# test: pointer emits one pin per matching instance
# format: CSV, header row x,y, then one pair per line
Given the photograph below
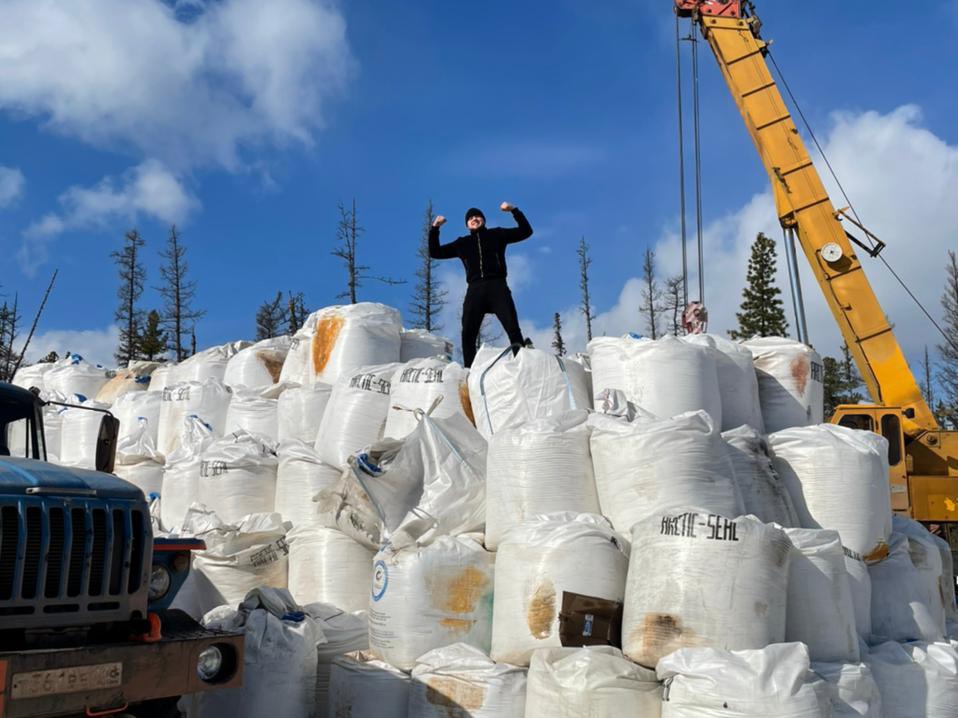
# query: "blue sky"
x,y
247,122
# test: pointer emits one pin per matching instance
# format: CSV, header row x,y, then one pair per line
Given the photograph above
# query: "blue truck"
x,y
85,587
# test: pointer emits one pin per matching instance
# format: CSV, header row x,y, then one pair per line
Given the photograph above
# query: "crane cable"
x,y
681,122
698,159
848,202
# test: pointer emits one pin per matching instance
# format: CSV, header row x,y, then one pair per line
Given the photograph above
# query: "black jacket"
x,y
483,252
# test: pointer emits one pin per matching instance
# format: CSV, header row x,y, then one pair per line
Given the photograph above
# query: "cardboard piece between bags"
x,y
589,621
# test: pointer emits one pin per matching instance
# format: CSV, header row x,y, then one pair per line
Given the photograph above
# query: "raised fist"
x,y
506,207
439,221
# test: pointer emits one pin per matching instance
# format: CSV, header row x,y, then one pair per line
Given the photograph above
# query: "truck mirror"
x,y
106,443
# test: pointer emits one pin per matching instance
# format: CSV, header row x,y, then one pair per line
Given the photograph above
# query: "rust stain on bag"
x,y
800,370
541,613
271,363
456,696
466,403
463,591
658,635
457,625
327,332
879,553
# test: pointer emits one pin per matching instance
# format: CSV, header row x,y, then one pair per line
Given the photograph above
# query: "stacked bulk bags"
x,y
207,364
74,376
238,476
79,431
860,583
428,597
462,680
539,467
362,686
507,390
771,682
339,339
300,411
665,376
906,595
827,469
594,681
419,384
135,378
181,473
136,409
718,582
53,428
851,689
208,399
356,414
342,633
916,679
300,476
257,366
138,462
421,344
539,565
738,385
649,464
790,382
34,375
250,411
926,563
160,378
763,493
821,613
327,566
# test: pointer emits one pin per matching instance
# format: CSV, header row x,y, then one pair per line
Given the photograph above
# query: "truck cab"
x,y
85,587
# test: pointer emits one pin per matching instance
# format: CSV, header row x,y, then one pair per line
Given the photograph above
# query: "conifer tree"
x,y
178,293
128,314
153,340
927,381
297,312
762,312
9,331
271,318
948,349
429,297
558,344
651,307
585,306
842,383
672,305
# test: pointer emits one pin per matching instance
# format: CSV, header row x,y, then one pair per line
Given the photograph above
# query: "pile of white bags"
x,y
462,680
421,344
258,366
916,679
928,566
650,464
790,382
209,400
138,462
342,632
507,390
207,364
300,411
238,476
420,383
771,682
540,467
72,375
540,561
665,376
828,469
860,584
738,385
34,375
53,427
429,597
763,493
327,566
250,411
160,378
136,408
356,414
181,473
699,579
821,613
594,681
361,686
338,340
851,688
135,378
301,475
79,430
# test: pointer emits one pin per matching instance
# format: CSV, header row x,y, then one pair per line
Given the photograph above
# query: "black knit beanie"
x,y
474,212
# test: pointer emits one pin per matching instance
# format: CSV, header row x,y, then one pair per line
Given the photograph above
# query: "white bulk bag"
x,y
53,427
340,339
343,633
361,686
763,493
347,506
209,400
34,375
327,566
738,385
536,564
207,364
181,473
538,468
300,411
138,462
356,414
860,583
279,675
160,378
135,378
428,597
699,579
821,613
462,680
851,688
665,376
649,464
420,383
72,375
301,475
790,388
771,682
594,681
916,679
928,565
79,431
906,598
238,476
135,408
257,366
250,411
507,390
838,479
422,344
237,559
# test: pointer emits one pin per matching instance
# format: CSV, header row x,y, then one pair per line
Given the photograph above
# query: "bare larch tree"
x,y
429,297
128,314
178,293
586,306
651,307
348,231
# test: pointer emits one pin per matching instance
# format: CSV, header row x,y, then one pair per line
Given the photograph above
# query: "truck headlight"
x,y
209,663
159,582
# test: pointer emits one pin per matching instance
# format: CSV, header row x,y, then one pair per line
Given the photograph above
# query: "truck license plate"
x,y
67,680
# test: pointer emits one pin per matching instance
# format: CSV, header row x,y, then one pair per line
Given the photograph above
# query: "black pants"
x,y
487,296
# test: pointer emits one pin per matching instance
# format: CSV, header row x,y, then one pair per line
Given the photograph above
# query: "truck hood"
x,y
18,475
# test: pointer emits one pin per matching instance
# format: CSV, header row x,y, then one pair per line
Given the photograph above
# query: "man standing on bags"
x,y
483,254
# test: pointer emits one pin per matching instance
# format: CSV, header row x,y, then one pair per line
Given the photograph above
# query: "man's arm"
x,y
520,232
436,250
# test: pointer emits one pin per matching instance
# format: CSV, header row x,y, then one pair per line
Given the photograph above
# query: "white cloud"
x,y
94,345
11,185
149,189
135,75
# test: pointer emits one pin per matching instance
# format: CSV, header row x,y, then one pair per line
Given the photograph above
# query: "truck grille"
x,y
60,557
